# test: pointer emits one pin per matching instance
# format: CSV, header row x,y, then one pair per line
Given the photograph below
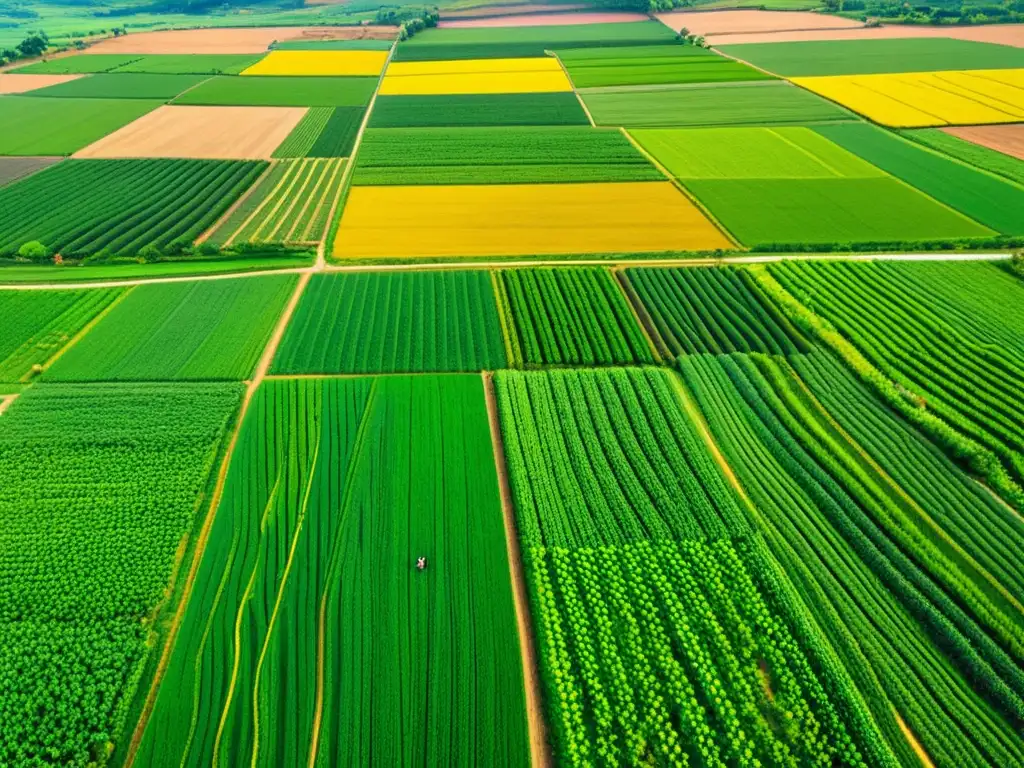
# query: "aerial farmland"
x,y
514,385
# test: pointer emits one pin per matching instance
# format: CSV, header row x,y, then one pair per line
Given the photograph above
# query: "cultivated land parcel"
x,y
540,442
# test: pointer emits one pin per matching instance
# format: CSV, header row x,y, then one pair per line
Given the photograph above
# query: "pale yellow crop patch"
x,y
530,75
320,63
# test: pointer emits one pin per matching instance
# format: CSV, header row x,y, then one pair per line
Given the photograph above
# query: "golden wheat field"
x,y
922,99
529,75
522,219
320,63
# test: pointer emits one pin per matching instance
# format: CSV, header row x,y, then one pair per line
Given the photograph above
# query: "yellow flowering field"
x,y
522,220
921,99
319,63
531,75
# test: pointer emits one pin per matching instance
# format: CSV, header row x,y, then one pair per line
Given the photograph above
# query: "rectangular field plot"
x,y
189,64
225,133
320,63
710,311
638,554
652,65
60,127
291,205
11,84
994,201
379,322
498,156
809,212
282,92
930,98
998,149
475,76
14,168
206,330
100,486
123,86
764,103
79,65
38,324
323,132
308,608
478,110
569,317
81,207
361,44
867,57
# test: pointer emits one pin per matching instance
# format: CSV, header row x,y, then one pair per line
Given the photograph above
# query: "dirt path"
x,y
914,743
6,401
237,204
77,337
204,534
539,751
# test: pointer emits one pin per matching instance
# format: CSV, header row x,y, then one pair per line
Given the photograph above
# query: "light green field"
x,y
34,126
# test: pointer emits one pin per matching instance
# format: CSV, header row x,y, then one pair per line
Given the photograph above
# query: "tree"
x,y
34,45
33,250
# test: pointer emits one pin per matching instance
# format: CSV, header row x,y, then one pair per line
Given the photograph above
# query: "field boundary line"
x,y
289,236
78,336
309,166
337,171
540,753
923,756
204,534
263,203
513,347
575,90
236,205
300,167
6,401
644,320
172,100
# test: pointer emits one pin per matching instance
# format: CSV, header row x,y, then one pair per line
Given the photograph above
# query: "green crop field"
x,y
969,152
79,65
340,484
85,207
39,324
866,57
498,155
195,331
35,126
764,103
710,311
569,317
394,322
258,91
994,202
122,86
477,110
190,64
323,132
101,484
597,67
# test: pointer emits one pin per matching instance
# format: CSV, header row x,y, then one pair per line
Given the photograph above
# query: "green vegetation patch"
x,y
34,126
995,202
569,317
38,324
14,168
764,103
969,152
337,484
477,110
867,57
122,86
652,65
304,135
339,133
710,311
80,64
387,322
498,155
775,212
101,484
205,330
784,152
82,207
268,91
190,64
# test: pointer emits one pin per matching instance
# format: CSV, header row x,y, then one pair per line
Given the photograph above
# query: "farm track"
x,y
218,492
6,401
540,752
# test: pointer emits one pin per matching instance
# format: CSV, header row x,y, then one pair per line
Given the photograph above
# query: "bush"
x,y
33,250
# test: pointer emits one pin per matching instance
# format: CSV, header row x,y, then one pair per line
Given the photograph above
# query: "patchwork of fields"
x,y
580,443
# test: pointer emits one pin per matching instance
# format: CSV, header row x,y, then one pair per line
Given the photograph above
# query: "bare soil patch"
x,y
543,20
1000,34
1008,139
12,168
709,23
228,133
236,40
13,83
510,9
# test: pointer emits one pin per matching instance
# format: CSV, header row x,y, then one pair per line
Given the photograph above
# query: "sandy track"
x,y
1001,34
6,401
742,22
1008,139
13,83
229,40
228,133
542,20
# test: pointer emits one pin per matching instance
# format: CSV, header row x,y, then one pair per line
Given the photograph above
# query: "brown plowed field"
x,y
1002,34
1008,139
24,83
227,133
543,20
240,40
709,23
